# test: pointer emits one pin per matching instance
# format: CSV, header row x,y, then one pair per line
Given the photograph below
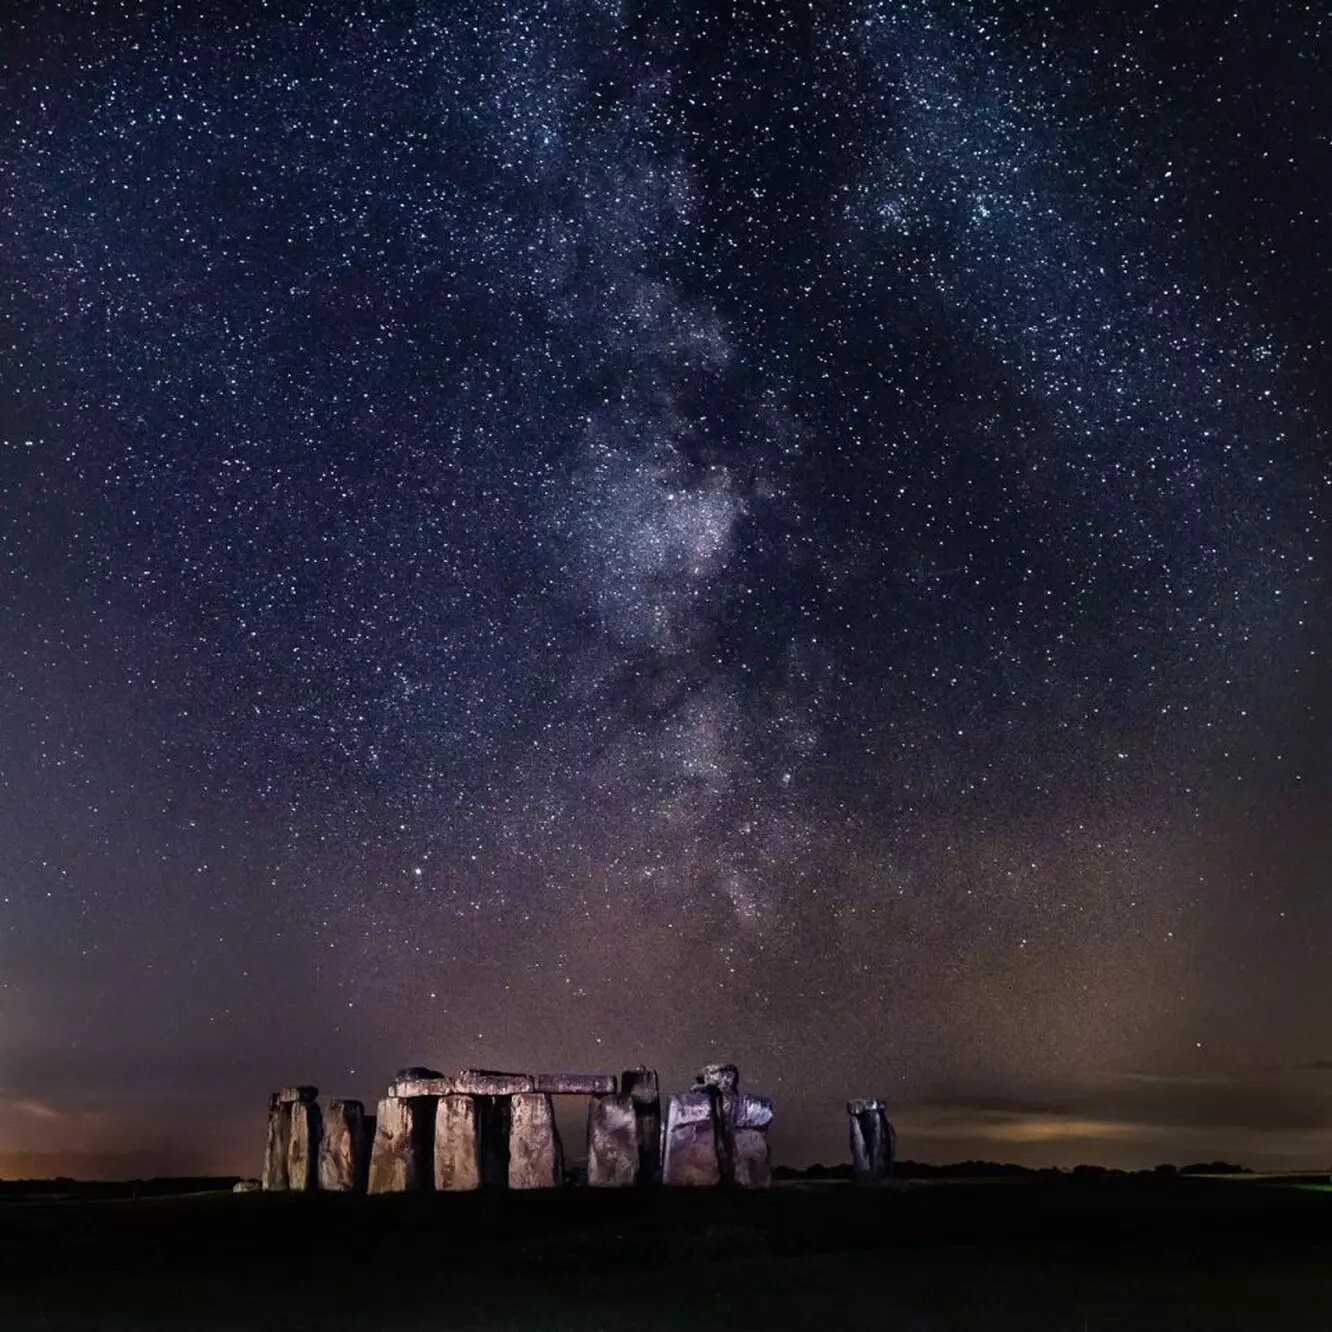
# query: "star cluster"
x,y
539,534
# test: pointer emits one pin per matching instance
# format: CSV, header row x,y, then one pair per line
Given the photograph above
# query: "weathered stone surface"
x,y
723,1082
536,1158
690,1156
575,1084
274,1176
246,1186
643,1087
873,1141
303,1146
613,1149
457,1144
724,1077
751,1164
440,1085
413,1081
642,1084
752,1111
484,1082
291,1095
342,1147
401,1157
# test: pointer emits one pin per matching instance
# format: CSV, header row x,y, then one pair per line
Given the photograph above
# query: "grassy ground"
x,y
1071,1255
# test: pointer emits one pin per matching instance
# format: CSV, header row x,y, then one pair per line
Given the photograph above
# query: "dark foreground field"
x,y
1074,1255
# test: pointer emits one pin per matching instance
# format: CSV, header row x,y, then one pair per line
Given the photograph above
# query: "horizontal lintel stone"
x,y
484,1082
403,1088
576,1084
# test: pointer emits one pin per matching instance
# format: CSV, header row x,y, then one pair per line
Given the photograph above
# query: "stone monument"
x,y
344,1148
873,1141
484,1129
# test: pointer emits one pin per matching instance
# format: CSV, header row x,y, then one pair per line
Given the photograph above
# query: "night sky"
x,y
544,535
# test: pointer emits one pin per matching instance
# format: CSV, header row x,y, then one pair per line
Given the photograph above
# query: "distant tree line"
x,y
1002,1169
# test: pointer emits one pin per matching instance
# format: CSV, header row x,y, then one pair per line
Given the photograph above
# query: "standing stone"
x,y
751,1162
613,1149
274,1176
303,1146
644,1089
690,1153
536,1158
722,1081
873,1141
457,1144
401,1158
342,1146
290,1095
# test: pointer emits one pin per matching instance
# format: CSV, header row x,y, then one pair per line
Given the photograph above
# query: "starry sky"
x,y
556,533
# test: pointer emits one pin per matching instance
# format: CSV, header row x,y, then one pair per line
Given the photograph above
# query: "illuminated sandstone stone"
x,y
342,1147
751,1161
401,1156
457,1144
274,1176
536,1159
575,1084
613,1148
484,1082
303,1146
690,1157
293,1095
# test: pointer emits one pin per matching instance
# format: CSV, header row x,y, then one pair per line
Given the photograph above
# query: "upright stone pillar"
x,y
644,1089
690,1157
751,1163
457,1144
722,1081
274,1177
536,1157
614,1159
873,1141
342,1147
402,1156
303,1146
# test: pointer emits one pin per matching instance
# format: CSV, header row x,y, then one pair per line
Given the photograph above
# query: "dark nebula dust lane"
x,y
567,534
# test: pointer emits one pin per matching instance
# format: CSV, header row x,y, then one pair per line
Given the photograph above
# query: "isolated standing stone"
x,y
613,1150
690,1150
872,1140
401,1155
457,1144
536,1159
274,1176
303,1146
342,1146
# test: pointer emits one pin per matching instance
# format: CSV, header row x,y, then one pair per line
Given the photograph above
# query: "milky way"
x,y
543,534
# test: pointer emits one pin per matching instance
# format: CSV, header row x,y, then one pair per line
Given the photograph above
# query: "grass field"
x,y
1073,1255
